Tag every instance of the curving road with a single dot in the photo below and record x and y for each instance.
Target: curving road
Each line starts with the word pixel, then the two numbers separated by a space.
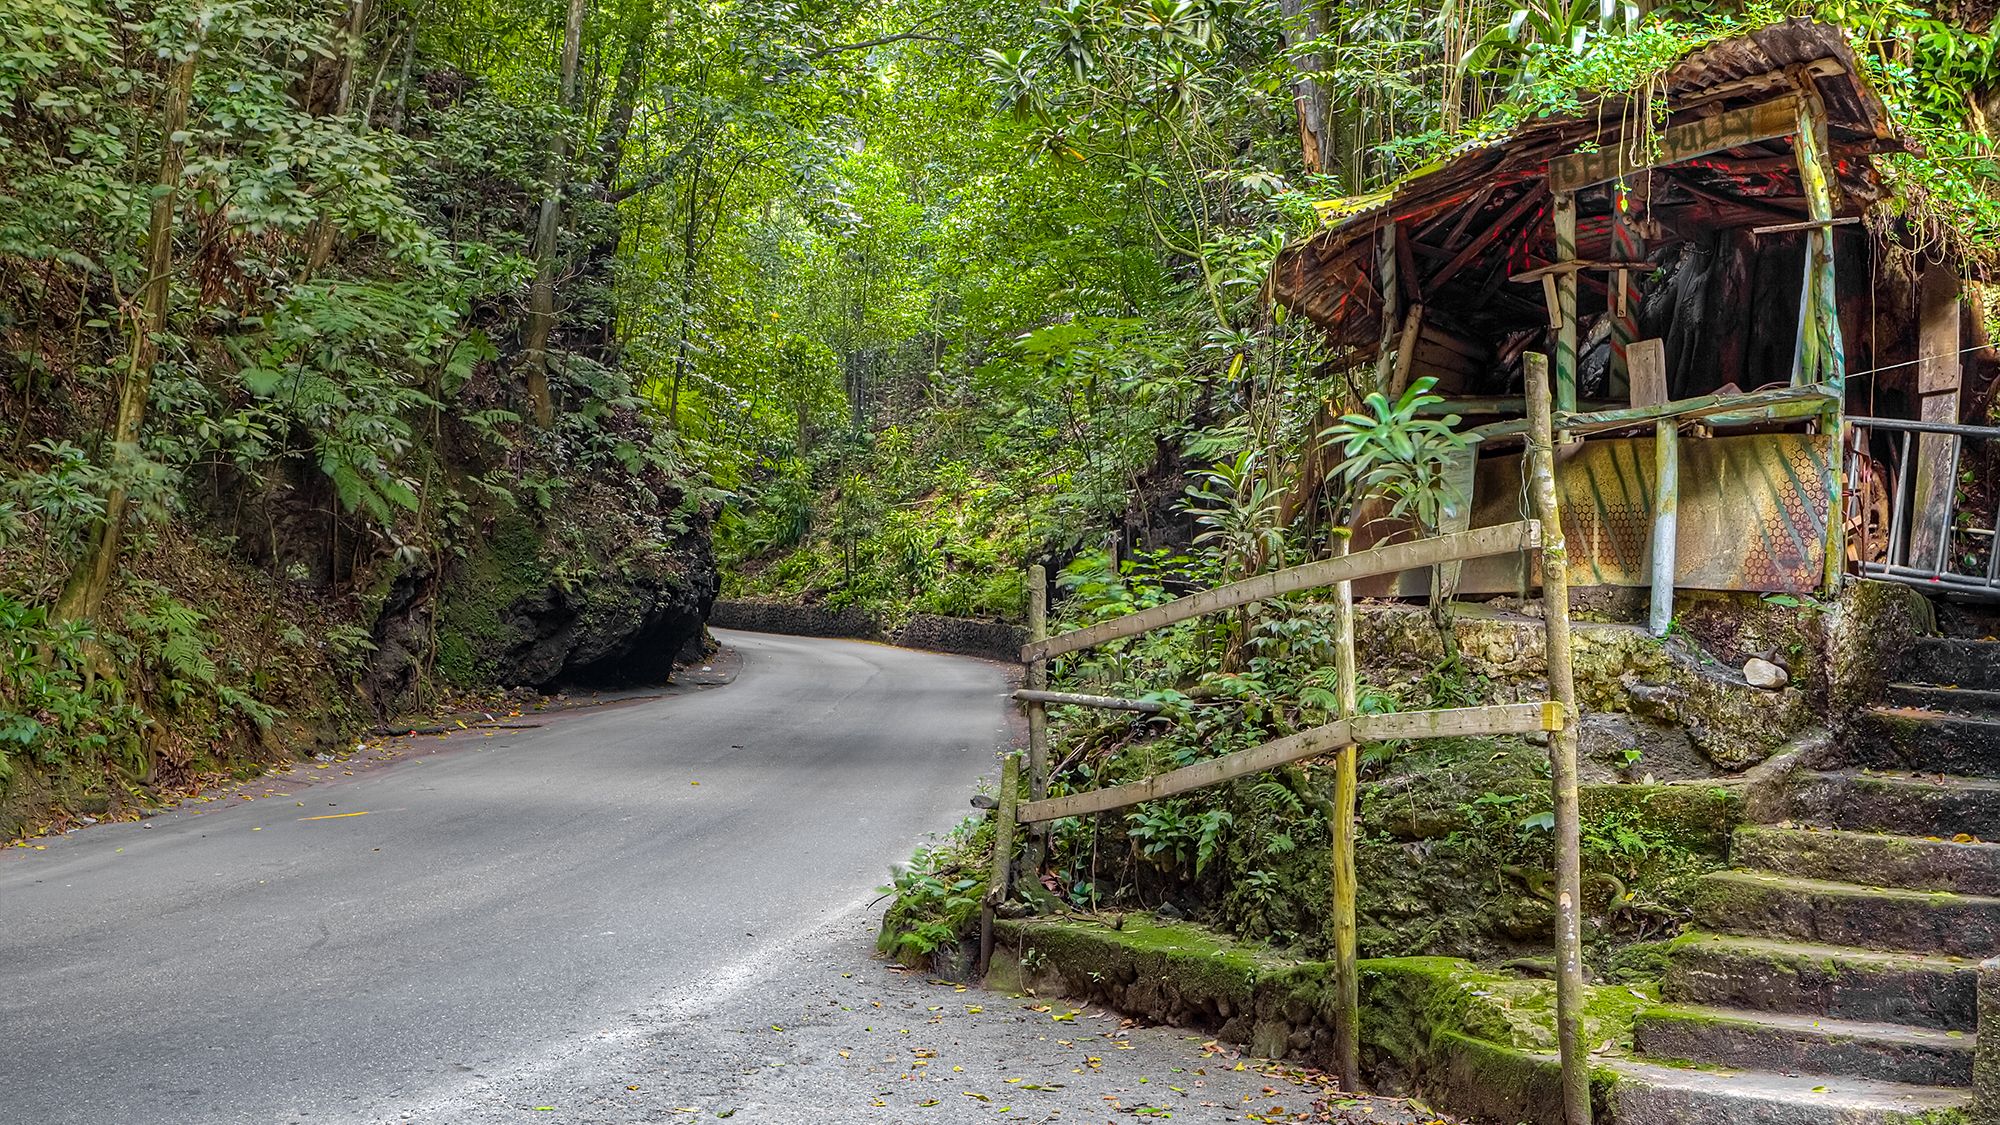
pixel 482 909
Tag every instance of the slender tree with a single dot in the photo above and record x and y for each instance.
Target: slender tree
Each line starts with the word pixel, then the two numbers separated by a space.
pixel 542 297
pixel 83 593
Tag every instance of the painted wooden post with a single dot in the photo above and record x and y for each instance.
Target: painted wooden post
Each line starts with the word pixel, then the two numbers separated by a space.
pixel 1346 789
pixel 1666 523
pixel 1565 223
pixel 1822 352
pixel 1003 854
pixel 1830 358
pixel 1626 246
pixel 1937 396
pixel 1390 287
pixel 1562 748
pixel 1037 678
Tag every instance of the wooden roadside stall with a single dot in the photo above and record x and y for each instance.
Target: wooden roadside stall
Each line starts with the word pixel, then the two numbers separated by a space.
pixel 1718 289
pixel 1703 282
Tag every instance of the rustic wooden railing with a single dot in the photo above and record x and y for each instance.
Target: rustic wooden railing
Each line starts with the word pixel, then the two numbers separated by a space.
pixel 1556 715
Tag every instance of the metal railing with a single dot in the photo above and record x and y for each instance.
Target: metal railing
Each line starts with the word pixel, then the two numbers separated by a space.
pixel 1911 516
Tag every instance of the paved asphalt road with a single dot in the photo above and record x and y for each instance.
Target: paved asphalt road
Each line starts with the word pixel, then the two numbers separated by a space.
pixel 656 910
pixel 251 964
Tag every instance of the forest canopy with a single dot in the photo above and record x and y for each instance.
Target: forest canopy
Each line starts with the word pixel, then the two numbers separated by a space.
pixel 386 345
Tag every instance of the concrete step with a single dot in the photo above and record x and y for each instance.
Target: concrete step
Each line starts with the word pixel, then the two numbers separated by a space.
pixel 1928 741
pixel 1870 858
pixel 1899 803
pixel 1952 660
pixel 1950 700
pixel 1758 904
pixel 1796 1044
pixel 1648 1094
pixel 1759 974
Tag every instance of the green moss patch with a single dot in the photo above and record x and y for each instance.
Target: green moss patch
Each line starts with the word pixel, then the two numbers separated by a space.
pixel 1475 1039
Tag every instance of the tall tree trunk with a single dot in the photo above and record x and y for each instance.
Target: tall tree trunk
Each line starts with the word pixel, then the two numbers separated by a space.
pixel 689 248
pixel 542 298
pixel 596 267
pixel 403 68
pixel 83 593
pixel 624 95
pixel 1304 22
pixel 353 41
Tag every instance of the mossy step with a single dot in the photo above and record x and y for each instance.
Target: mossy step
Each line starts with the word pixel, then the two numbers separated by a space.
pixel 1791 1043
pixel 1871 858
pixel 1899 803
pixel 1647 1094
pixel 1931 741
pixel 1838 982
pixel 1757 904
pixel 1953 660
pixel 1950 699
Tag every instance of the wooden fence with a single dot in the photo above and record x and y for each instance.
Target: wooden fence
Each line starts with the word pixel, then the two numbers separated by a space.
pixel 1555 715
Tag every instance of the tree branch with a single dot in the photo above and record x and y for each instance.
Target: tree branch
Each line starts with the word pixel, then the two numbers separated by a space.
pixel 884 41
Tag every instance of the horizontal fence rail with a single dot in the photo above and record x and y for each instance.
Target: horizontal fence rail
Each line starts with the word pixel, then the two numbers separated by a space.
pixel 1502 718
pixel 1743 408
pixel 1101 702
pixel 1480 542
pixel 1924 543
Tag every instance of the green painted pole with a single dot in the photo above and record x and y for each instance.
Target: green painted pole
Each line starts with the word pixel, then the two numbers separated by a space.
pixel 1823 355
pixel 1666 523
pixel 1565 224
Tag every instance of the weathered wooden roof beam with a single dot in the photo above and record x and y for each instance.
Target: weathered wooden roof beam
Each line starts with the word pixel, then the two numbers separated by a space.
pixel 1734 129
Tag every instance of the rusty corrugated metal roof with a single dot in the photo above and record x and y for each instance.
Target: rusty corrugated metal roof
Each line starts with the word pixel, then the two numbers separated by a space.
pixel 1329 276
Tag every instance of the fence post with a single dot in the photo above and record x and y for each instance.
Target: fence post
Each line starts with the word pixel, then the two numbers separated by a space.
pixel 1346 978
pixel 1037 677
pixel 1003 854
pixel 1541 463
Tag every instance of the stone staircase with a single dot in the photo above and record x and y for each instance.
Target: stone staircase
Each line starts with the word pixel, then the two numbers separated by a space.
pixel 1833 980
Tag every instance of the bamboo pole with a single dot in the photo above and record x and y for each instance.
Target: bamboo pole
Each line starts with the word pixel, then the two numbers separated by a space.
pixel 1392 558
pixel 1003 854
pixel 1562 749
pixel 1037 679
pixel 1075 699
pixel 1346 783
pixel 1666 523
pixel 1456 722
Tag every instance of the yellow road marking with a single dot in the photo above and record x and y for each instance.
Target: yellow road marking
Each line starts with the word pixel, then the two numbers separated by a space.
pixel 335 816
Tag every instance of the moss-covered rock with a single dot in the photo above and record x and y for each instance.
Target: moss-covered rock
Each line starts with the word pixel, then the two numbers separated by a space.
pixel 1673 683
pixel 1475 1040
pixel 537 603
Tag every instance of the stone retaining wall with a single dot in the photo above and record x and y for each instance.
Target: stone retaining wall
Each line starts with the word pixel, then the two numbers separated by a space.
pixel 993 640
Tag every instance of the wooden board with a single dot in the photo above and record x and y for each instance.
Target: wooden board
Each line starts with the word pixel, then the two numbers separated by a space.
pixel 1501 718
pixel 1938 366
pixel 1766 121
pixel 1647 363
pixel 1502 539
